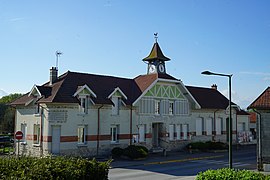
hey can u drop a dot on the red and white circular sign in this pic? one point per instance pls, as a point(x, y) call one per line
point(19, 135)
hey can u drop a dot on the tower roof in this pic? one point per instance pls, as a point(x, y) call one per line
point(156, 54)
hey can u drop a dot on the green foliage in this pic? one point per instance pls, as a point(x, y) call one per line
point(209, 145)
point(7, 113)
point(10, 98)
point(132, 151)
point(53, 168)
point(135, 152)
point(227, 173)
point(117, 152)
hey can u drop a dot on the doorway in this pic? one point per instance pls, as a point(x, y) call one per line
point(155, 134)
point(56, 134)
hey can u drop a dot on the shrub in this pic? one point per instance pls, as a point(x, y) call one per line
point(53, 168)
point(209, 145)
point(117, 152)
point(227, 173)
point(135, 152)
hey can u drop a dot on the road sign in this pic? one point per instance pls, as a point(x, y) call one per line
point(18, 135)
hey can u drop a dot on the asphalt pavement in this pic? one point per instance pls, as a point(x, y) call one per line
point(172, 156)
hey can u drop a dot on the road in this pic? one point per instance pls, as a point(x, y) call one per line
point(185, 168)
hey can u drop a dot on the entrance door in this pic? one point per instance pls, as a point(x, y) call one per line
point(56, 133)
point(155, 136)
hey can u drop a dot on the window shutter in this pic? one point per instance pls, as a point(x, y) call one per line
point(142, 133)
point(178, 131)
point(171, 132)
point(198, 126)
point(185, 131)
point(218, 126)
point(209, 126)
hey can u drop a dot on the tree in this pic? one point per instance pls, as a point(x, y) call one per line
point(7, 113)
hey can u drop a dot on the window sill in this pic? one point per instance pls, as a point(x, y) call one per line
point(36, 145)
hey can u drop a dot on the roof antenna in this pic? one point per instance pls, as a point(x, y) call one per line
point(58, 54)
point(156, 36)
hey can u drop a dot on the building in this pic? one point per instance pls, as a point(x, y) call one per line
point(261, 106)
point(88, 114)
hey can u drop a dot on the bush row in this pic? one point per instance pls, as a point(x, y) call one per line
point(132, 151)
point(58, 168)
point(209, 145)
point(227, 173)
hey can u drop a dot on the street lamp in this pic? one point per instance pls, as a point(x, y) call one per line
point(230, 107)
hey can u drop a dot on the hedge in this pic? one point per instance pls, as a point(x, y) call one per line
point(132, 152)
point(205, 146)
point(231, 174)
point(58, 168)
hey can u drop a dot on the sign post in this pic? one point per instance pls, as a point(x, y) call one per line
point(18, 136)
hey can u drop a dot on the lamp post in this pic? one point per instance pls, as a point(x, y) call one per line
point(230, 108)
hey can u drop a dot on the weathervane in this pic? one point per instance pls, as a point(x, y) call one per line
point(156, 36)
point(58, 54)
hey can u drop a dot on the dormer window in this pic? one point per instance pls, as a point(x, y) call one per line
point(117, 97)
point(116, 105)
point(37, 108)
point(83, 107)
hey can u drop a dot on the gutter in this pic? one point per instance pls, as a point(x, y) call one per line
point(98, 129)
point(130, 126)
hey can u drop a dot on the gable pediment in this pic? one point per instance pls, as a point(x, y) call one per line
point(117, 92)
point(84, 91)
point(35, 92)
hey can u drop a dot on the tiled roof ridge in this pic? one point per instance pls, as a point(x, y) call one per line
point(100, 75)
point(262, 94)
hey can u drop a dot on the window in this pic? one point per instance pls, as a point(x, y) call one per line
point(36, 133)
point(83, 104)
point(115, 133)
point(171, 108)
point(171, 132)
point(116, 105)
point(24, 131)
point(157, 107)
point(199, 127)
point(142, 133)
point(81, 134)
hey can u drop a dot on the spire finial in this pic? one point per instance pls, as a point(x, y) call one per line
point(156, 36)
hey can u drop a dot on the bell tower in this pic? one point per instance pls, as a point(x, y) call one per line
point(156, 60)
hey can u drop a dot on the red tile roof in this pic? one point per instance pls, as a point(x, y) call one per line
point(262, 102)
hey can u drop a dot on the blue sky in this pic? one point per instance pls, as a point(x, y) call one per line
point(112, 37)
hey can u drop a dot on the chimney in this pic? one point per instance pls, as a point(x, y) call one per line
point(53, 75)
point(214, 86)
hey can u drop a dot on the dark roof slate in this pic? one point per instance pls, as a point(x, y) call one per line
point(208, 98)
point(64, 88)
